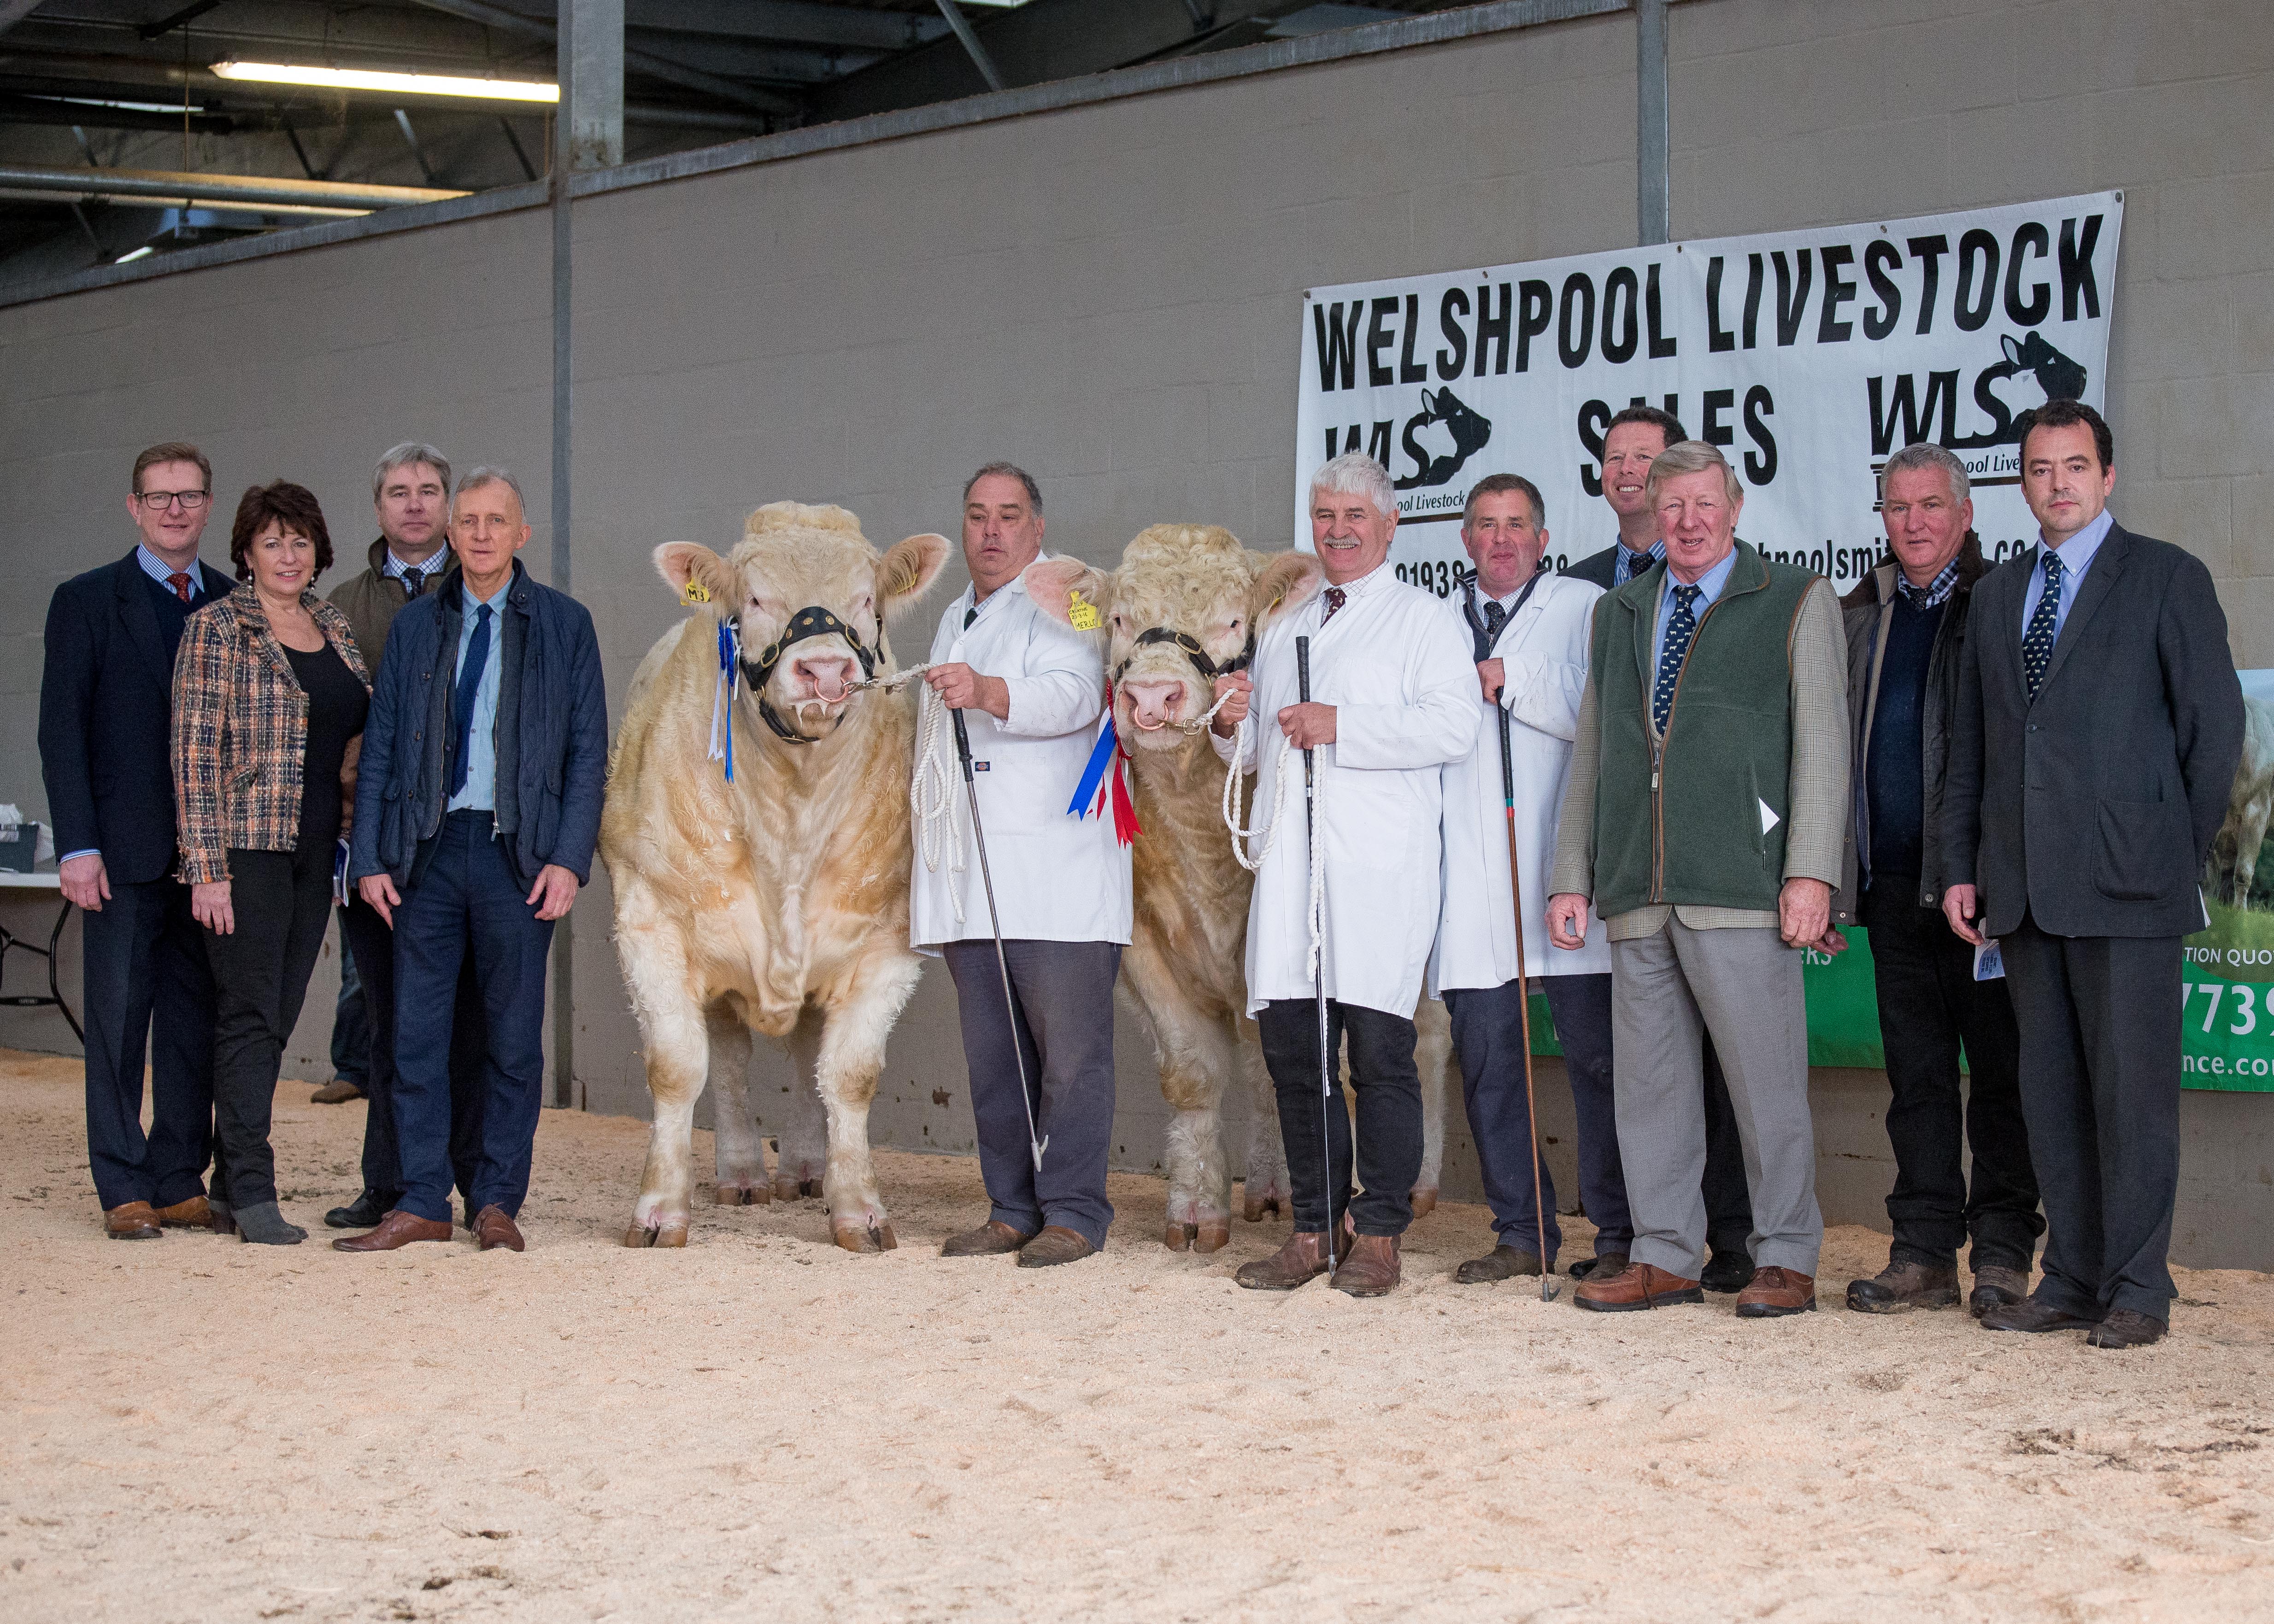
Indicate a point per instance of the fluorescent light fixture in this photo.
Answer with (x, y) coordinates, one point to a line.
(124, 107)
(405, 84)
(134, 254)
(1000, 5)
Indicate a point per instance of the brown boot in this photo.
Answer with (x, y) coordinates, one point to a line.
(398, 1228)
(1775, 1292)
(131, 1221)
(495, 1229)
(1055, 1244)
(1370, 1269)
(194, 1214)
(1304, 1258)
(339, 1091)
(1501, 1263)
(988, 1240)
(1996, 1286)
(1904, 1284)
(1637, 1286)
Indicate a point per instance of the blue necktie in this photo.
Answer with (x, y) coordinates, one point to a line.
(2037, 642)
(1679, 628)
(470, 681)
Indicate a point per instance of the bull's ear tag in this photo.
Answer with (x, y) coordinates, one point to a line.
(1082, 613)
(697, 593)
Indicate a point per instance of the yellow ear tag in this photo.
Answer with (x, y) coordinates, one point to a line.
(697, 593)
(1082, 613)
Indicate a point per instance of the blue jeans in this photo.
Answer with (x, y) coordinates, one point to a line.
(467, 901)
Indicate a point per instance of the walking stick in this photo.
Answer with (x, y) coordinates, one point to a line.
(1311, 845)
(1001, 963)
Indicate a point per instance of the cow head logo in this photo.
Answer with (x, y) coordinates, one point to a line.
(2060, 377)
(1444, 418)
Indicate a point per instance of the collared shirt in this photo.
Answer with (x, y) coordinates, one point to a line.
(2076, 556)
(1933, 592)
(1314, 613)
(428, 573)
(1709, 588)
(480, 792)
(163, 573)
(1622, 565)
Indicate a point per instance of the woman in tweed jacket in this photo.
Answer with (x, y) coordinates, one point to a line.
(269, 699)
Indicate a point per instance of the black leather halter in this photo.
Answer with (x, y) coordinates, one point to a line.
(1209, 669)
(810, 621)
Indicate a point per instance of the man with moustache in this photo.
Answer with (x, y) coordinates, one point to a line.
(1633, 438)
(106, 718)
(2099, 726)
(410, 494)
(478, 806)
(1393, 700)
(1032, 689)
(1531, 631)
(1907, 625)
(1705, 821)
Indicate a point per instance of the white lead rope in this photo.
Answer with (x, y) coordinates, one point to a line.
(931, 792)
(1269, 833)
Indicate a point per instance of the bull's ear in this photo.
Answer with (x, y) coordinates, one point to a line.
(907, 571)
(1286, 583)
(2012, 350)
(697, 573)
(1052, 582)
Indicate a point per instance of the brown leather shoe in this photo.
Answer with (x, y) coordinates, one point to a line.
(1304, 1258)
(1055, 1244)
(398, 1229)
(1775, 1292)
(2035, 1316)
(1637, 1286)
(339, 1091)
(1904, 1284)
(1996, 1286)
(134, 1221)
(1501, 1263)
(2125, 1327)
(988, 1240)
(493, 1229)
(194, 1214)
(1370, 1267)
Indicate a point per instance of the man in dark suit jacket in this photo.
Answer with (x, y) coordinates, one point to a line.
(1630, 444)
(105, 716)
(2099, 726)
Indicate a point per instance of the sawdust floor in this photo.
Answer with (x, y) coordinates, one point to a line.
(764, 1427)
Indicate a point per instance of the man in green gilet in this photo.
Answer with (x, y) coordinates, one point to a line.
(1704, 819)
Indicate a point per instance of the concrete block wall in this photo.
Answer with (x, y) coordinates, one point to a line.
(1110, 294)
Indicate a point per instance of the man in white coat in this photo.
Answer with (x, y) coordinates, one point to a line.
(1530, 632)
(1032, 690)
(1393, 700)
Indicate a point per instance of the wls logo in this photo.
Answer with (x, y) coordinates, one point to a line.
(1445, 433)
(1900, 417)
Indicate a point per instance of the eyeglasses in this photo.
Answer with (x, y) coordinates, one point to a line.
(159, 501)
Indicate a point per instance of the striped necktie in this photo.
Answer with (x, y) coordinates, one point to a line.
(1680, 628)
(2045, 622)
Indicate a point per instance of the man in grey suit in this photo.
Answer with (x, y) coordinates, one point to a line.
(1706, 818)
(2099, 726)
(1632, 439)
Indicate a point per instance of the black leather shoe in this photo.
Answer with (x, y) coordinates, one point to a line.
(2032, 1315)
(1605, 1263)
(1726, 1271)
(363, 1213)
(2125, 1327)
(1501, 1263)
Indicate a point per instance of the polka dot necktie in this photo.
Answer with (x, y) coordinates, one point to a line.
(183, 585)
(2037, 642)
(1335, 598)
(1679, 629)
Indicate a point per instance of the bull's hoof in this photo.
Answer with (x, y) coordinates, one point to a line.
(810, 1187)
(1425, 1202)
(1178, 1237)
(789, 1187)
(1257, 1205)
(742, 1195)
(667, 1234)
(1212, 1237)
(870, 1238)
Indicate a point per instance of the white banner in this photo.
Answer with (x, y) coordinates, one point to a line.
(1809, 356)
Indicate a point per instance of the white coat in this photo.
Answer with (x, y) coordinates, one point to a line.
(1057, 878)
(1543, 652)
(1395, 664)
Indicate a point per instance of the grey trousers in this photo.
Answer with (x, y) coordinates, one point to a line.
(1743, 986)
(1065, 1033)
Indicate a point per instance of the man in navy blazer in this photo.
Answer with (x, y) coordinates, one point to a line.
(106, 703)
(2099, 726)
